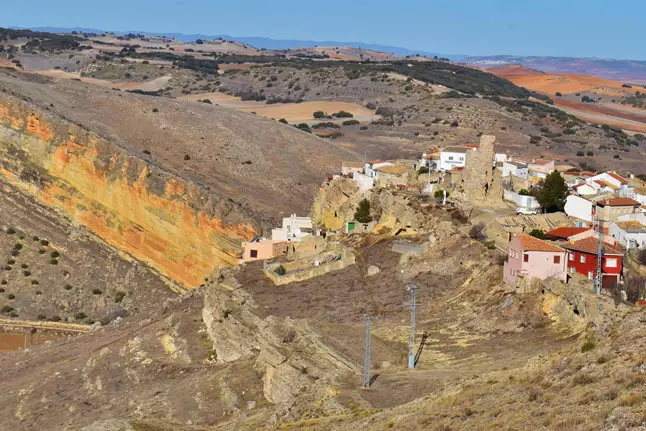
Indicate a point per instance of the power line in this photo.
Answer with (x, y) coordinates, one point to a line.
(366, 353)
(411, 338)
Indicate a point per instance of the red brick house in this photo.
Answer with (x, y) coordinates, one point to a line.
(582, 259)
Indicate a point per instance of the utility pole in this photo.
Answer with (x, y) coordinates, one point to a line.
(411, 338)
(598, 277)
(366, 353)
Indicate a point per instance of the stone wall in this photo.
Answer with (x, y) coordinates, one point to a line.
(480, 183)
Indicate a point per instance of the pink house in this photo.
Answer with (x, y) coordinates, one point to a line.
(531, 257)
(261, 249)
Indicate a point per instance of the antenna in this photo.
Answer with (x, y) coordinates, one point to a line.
(411, 338)
(366, 353)
(598, 278)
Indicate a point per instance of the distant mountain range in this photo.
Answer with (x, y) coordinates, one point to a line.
(618, 70)
(261, 42)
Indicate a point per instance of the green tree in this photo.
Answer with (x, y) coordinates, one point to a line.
(552, 193)
(362, 214)
(537, 233)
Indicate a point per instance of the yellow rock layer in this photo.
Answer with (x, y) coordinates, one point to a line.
(165, 231)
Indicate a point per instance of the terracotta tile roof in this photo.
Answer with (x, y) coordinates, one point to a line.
(576, 186)
(603, 183)
(619, 178)
(531, 243)
(619, 202)
(566, 232)
(591, 244)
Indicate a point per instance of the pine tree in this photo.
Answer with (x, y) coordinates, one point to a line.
(362, 214)
(552, 193)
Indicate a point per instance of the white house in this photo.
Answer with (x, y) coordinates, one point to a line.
(453, 157)
(365, 182)
(614, 180)
(517, 169)
(631, 233)
(349, 168)
(501, 158)
(579, 208)
(294, 229)
(370, 168)
(584, 189)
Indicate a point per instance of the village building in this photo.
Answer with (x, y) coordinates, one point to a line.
(564, 233)
(530, 257)
(582, 259)
(584, 189)
(349, 168)
(453, 157)
(539, 169)
(262, 249)
(364, 181)
(293, 229)
(579, 209)
(392, 176)
(611, 209)
(630, 233)
(370, 168)
(517, 169)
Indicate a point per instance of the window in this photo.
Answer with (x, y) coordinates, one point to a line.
(450, 157)
(589, 275)
(571, 257)
(611, 262)
(525, 258)
(557, 259)
(461, 159)
(582, 258)
(253, 253)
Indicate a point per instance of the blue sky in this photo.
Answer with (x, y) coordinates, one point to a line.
(582, 28)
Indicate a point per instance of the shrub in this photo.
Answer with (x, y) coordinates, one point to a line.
(319, 114)
(119, 297)
(155, 110)
(304, 127)
(15, 252)
(350, 122)
(363, 128)
(385, 111)
(80, 315)
(455, 124)
(6, 309)
(282, 120)
(477, 232)
(55, 254)
(97, 291)
(588, 346)
(42, 251)
(590, 154)
(371, 105)
(3, 282)
(207, 101)
(280, 270)
(35, 282)
(56, 318)
(558, 94)
(569, 131)
(26, 273)
(67, 287)
(18, 246)
(439, 194)
(44, 242)
(53, 262)
(537, 233)
(11, 296)
(11, 231)
(342, 114)
(187, 157)
(580, 153)
(41, 316)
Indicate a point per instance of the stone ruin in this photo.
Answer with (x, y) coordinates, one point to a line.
(479, 183)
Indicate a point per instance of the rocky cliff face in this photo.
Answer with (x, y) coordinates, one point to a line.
(175, 226)
(291, 355)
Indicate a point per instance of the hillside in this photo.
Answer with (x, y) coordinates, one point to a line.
(168, 170)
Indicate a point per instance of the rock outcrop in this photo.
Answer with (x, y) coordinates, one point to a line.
(288, 352)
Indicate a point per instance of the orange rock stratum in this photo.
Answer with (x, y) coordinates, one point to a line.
(175, 226)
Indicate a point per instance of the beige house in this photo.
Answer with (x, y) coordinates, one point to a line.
(349, 168)
(611, 209)
(392, 176)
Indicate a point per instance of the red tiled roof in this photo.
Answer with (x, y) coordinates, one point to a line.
(566, 232)
(619, 178)
(531, 243)
(576, 186)
(619, 202)
(590, 245)
(602, 183)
